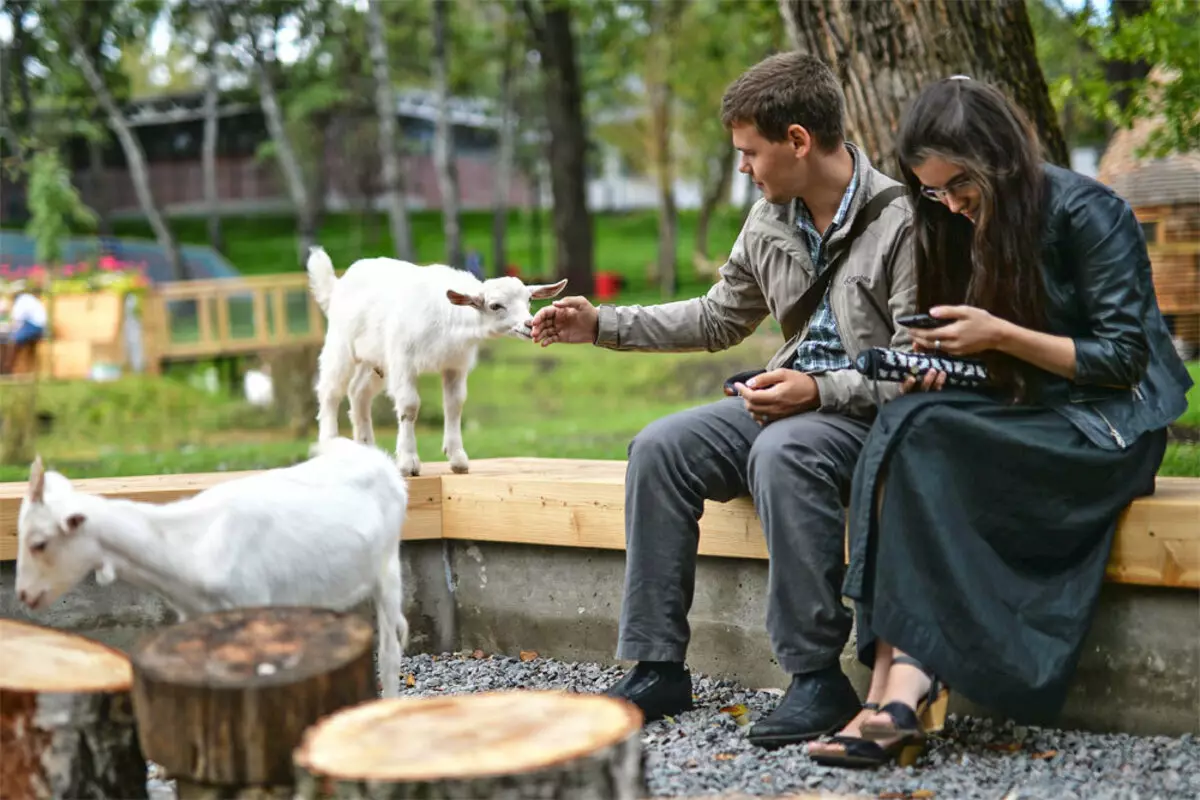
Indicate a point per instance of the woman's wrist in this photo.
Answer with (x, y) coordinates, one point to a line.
(1005, 335)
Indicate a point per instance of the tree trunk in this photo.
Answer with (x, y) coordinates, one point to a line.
(551, 26)
(505, 158)
(443, 139)
(132, 147)
(389, 155)
(222, 700)
(288, 163)
(212, 95)
(664, 18)
(1120, 72)
(489, 745)
(67, 725)
(885, 51)
(99, 184)
(718, 178)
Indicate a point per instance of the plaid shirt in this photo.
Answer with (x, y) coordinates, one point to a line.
(822, 349)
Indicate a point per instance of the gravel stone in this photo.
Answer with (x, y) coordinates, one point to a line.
(705, 752)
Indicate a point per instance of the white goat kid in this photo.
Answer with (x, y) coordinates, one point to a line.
(391, 321)
(324, 532)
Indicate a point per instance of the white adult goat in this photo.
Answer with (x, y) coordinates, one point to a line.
(323, 532)
(389, 320)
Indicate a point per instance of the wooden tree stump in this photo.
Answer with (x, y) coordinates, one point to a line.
(223, 699)
(514, 744)
(67, 727)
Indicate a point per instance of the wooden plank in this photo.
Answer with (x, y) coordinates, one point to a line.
(580, 503)
(424, 509)
(262, 333)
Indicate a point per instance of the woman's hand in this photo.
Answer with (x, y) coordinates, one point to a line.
(971, 330)
(934, 381)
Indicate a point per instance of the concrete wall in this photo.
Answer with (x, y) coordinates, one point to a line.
(1140, 671)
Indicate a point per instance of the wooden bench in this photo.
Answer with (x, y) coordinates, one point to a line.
(578, 503)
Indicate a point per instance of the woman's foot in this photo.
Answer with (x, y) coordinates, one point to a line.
(849, 749)
(914, 703)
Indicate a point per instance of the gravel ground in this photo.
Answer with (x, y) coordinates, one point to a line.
(705, 751)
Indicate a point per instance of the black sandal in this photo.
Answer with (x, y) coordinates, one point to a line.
(860, 752)
(928, 717)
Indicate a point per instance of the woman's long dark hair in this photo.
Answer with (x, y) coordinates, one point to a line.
(993, 264)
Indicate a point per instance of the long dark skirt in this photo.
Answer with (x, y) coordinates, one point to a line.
(986, 558)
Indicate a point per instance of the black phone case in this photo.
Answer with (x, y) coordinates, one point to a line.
(883, 364)
(922, 321)
(741, 377)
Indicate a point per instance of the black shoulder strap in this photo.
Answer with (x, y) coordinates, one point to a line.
(799, 314)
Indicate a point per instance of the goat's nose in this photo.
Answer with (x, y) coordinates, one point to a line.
(23, 596)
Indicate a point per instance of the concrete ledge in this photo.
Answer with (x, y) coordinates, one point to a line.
(580, 503)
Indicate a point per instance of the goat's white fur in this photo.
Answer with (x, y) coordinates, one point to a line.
(324, 532)
(390, 321)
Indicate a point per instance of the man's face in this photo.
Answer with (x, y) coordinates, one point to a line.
(777, 168)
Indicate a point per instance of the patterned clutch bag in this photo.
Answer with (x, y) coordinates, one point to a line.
(883, 364)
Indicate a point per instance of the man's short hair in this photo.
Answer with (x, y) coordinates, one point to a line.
(785, 89)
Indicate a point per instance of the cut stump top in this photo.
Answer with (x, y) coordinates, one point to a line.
(34, 658)
(464, 736)
(257, 647)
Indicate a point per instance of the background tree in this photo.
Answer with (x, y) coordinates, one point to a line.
(885, 51)
(389, 140)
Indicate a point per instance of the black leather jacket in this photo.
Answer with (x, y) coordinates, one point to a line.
(1128, 377)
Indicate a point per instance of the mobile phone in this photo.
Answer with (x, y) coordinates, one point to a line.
(741, 377)
(923, 321)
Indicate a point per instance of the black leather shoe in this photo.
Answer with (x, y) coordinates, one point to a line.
(816, 703)
(657, 692)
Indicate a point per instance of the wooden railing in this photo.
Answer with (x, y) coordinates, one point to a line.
(229, 316)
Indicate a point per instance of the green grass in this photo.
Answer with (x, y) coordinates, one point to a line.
(561, 401)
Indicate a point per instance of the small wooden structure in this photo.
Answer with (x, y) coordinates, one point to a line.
(488, 745)
(1165, 196)
(223, 699)
(66, 717)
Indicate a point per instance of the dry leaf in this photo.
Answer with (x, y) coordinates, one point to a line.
(528, 655)
(922, 793)
(739, 712)
(724, 756)
(1046, 754)
(1005, 747)
(477, 654)
(893, 796)
(410, 680)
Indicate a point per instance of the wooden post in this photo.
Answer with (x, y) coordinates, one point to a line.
(223, 699)
(488, 745)
(67, 726)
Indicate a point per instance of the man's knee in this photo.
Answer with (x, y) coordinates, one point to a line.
(661, 439)
(803, 449)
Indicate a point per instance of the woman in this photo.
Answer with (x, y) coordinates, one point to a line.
(27, 323)
(981, 521)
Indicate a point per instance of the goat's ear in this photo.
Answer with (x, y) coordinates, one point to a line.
(37, 481)
(460, 299)
(545, 290)
(71, 522)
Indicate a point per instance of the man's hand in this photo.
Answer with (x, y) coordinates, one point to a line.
(971, 330)
(777, 394)
(571, 320)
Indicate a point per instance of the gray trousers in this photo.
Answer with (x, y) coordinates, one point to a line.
(798, 472)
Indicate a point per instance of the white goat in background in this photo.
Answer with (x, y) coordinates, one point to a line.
(391, 321)
(324, 533)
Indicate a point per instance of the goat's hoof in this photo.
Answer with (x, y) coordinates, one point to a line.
(458, 461)
(410, 466)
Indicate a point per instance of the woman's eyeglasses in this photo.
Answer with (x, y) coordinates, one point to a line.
(955, 185)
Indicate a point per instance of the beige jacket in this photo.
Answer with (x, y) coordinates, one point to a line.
(768, 270)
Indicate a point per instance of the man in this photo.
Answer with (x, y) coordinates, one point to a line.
(792, 437)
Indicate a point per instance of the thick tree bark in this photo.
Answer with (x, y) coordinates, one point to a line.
(222, 700)
(884, 51)
(67, 725)
(550, 23)
(443, 138)
(306, 229)
(389, 155)
(208, 155)
(134, 155)
(489, 745)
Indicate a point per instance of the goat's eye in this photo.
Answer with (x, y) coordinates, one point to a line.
(37, 547)
(496, 307)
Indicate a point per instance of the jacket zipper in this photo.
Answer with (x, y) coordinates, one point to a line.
(1116, 436)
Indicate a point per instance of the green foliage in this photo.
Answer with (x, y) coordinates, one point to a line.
(1168, 38)
(1064, 56)
(55, 208)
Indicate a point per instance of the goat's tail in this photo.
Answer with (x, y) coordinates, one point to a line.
(321, 277)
